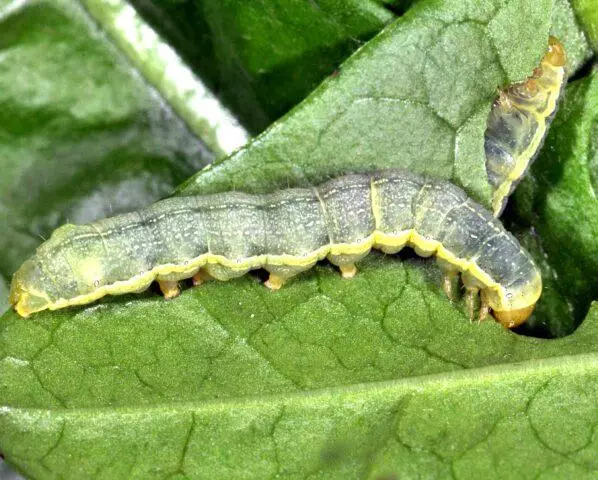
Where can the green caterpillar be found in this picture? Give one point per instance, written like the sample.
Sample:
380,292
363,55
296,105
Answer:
225,235
286,232
518,123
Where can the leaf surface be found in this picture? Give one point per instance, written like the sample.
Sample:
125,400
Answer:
376,377
329,378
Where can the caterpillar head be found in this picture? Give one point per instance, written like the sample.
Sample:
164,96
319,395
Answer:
513,318
27,290
51,276
513,305
556,53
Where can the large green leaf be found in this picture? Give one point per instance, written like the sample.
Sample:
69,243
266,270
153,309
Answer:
376,377
263,57
329,378
83,136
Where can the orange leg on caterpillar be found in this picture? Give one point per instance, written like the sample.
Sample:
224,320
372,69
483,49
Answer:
171,289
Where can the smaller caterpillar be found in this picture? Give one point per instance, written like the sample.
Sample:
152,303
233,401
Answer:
518,122
286,232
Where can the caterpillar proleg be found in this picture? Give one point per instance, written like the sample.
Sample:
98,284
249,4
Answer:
286,232
518,122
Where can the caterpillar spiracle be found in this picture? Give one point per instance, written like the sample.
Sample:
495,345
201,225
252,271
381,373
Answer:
519,121
286,232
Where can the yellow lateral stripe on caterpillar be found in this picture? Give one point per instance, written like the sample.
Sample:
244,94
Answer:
377,240
286,232
519,121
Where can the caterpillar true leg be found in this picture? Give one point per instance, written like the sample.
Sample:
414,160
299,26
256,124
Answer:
475,299
471,300
484,307
449,281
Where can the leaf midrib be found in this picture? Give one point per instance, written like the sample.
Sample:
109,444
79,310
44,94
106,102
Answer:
569,364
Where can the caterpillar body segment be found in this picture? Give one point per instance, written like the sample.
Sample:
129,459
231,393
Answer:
519,121
225,235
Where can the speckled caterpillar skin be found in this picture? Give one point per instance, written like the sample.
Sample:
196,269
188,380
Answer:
285,232
518,123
